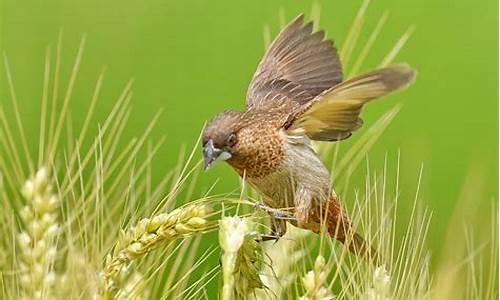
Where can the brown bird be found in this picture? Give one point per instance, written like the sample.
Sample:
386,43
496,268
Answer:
297,95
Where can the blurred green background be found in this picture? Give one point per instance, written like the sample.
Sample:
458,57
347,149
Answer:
195,58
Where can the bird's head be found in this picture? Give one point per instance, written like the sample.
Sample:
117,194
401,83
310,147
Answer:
220,136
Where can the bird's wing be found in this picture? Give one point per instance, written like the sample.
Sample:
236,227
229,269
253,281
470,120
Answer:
334,114
298,60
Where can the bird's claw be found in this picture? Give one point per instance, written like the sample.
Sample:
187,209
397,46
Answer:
257,205
275,212
269,237
278,218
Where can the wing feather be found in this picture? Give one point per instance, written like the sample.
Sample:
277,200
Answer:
298,56
334,114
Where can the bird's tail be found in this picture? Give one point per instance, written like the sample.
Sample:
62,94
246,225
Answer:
341,229
358,246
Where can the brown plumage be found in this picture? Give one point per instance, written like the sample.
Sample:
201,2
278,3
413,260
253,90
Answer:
297,95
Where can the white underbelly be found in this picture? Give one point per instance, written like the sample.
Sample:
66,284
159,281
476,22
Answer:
301,169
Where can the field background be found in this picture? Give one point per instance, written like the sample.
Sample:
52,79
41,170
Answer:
194,58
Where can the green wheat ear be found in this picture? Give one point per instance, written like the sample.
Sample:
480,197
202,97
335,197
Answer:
280,271
240,255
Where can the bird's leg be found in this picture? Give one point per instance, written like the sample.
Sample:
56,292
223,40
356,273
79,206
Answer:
278,221
278,229
276,212
306,211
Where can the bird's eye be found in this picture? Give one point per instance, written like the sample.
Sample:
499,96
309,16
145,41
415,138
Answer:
231,139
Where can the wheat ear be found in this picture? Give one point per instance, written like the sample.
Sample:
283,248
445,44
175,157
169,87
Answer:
37,241
148,234
241,251
315,282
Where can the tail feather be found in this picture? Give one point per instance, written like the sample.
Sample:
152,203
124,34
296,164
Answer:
358,246
341,229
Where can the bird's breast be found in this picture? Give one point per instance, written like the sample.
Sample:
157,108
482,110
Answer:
259,152
298,165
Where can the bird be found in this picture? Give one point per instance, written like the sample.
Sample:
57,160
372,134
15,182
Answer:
298,95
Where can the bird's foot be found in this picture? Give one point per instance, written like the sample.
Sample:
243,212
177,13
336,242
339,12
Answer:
269,237
275,212
279,217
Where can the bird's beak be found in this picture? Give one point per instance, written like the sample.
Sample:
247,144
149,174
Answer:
212,154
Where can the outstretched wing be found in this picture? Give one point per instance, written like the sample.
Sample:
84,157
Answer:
334,114
297,67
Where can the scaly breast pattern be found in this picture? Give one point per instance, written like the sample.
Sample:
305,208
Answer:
259,151
298,166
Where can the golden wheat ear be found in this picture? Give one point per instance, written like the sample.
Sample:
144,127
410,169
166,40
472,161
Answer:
334,114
